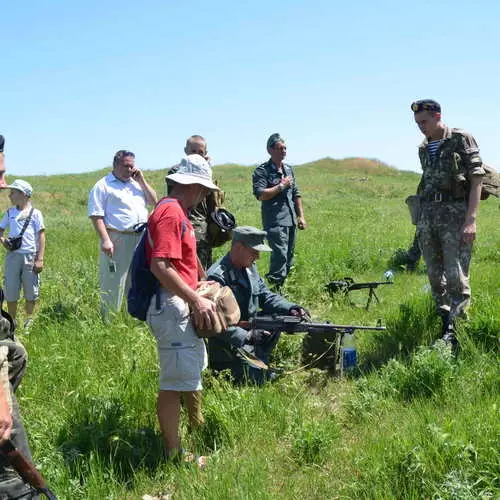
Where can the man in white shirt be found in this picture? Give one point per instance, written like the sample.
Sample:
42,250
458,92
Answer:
117,207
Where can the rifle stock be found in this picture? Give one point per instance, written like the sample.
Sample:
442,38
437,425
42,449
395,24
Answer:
25,469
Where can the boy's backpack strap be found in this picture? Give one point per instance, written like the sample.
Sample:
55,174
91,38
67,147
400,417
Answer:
26,222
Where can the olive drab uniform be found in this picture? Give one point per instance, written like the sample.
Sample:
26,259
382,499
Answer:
279,218
199,217
444,189
252,296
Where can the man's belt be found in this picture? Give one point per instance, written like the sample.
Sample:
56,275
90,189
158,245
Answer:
440,197
113,230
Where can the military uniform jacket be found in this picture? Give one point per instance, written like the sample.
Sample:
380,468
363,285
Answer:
200,214
456,161
250,292
280,210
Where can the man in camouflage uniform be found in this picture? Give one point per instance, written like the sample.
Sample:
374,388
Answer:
450,190
274,184
200,215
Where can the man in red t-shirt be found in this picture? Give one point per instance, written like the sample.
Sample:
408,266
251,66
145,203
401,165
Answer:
171,251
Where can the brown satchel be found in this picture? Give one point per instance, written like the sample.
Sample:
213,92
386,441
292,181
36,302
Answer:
227,309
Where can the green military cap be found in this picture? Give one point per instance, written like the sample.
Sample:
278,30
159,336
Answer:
251,237
425,105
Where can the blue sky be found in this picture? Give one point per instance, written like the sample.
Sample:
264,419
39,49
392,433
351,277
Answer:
80,80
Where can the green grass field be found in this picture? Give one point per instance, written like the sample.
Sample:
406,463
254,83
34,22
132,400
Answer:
413,422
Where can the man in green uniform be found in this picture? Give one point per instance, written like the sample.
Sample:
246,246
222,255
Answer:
199,215
237,270
450,190
274,184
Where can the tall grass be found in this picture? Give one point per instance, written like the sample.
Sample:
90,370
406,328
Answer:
412,422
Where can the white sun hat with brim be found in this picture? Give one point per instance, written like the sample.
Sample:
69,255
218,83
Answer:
194,169
23,186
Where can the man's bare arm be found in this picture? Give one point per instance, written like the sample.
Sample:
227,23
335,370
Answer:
38,264
169,278
270,193
301,221
106,243
469,227
148,191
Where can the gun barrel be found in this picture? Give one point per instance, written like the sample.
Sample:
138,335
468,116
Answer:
293,324
371,284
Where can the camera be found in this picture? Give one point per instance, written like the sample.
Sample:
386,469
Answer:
14,243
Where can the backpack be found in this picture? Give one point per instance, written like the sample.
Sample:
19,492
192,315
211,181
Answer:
143,283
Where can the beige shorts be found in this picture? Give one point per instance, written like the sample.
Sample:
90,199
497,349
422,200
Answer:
19,272
182,354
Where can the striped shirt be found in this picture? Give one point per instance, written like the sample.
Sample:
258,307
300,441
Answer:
432,148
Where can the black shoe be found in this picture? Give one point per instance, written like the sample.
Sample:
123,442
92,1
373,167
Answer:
450,339
447,326
411,266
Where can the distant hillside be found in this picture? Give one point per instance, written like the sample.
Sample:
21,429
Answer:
361,165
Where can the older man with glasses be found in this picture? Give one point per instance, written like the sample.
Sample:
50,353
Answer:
274,184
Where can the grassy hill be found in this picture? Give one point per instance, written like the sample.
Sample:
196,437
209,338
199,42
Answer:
412,423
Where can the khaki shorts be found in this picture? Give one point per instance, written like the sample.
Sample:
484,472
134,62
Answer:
182,354
19,272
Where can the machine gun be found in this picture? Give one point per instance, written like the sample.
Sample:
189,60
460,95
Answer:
322,346
348,285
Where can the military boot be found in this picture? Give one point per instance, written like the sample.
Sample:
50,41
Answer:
450,336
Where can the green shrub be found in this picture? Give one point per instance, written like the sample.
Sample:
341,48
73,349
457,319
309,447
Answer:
428,371
313,442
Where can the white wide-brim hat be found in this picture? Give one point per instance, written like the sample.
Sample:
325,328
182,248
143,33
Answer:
194,169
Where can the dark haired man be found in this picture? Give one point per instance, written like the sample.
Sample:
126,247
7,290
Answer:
450,190
275,186
117,207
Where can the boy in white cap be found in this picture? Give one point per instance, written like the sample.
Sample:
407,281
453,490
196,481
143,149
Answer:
25,249
171,254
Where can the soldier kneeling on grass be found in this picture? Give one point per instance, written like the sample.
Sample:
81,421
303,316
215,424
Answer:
237,270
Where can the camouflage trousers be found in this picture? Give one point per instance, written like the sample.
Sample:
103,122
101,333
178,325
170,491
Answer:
446,257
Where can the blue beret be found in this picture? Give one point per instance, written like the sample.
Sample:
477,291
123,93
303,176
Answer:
425,105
